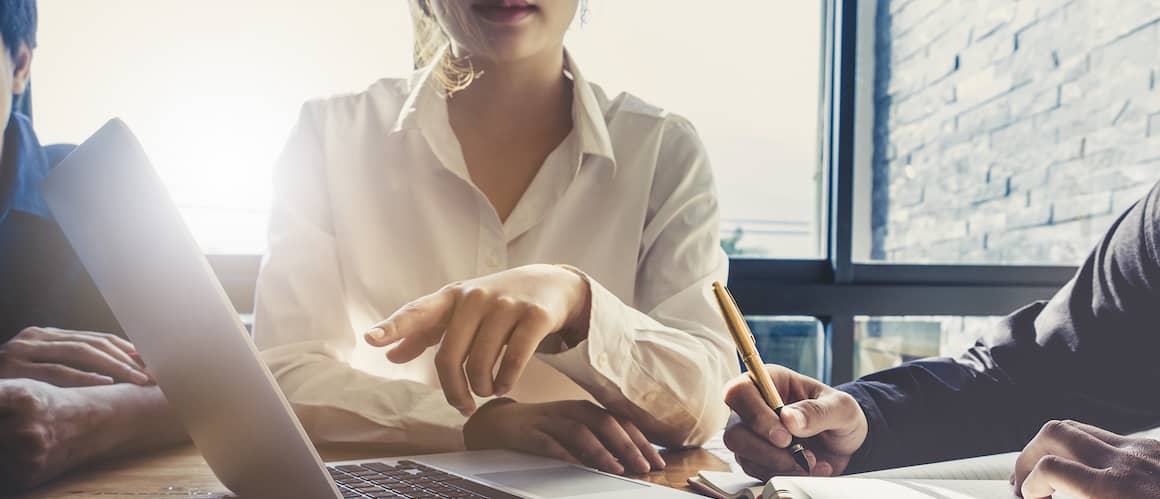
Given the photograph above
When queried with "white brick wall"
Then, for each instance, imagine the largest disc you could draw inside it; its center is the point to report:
(1011, 131)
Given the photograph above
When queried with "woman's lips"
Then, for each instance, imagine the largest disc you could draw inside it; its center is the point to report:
(505, 13)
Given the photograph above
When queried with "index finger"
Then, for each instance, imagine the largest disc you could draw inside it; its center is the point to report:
(424, 315)
(743, 397)
(56, 334)
(1100, 433)
(1060, 439)
(110, 344)
(1056, 475)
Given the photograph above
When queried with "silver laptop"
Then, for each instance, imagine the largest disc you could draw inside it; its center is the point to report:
(116, 213)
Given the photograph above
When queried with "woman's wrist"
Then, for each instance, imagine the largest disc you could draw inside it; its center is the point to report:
(575, 329)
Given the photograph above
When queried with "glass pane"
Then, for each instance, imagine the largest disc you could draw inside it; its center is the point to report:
(758, 119)
(213, 96)
(213, 92)
(1013, 134)
(884, 342)
(794, 342)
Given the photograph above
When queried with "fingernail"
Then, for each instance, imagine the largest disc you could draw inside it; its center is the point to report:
(501, 390)
(374, 334)
(641, 466)
(136, 357)
(823, 468)
(779, 437)
(466, 410)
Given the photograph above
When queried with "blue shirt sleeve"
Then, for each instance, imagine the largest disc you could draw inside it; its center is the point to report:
(1083, 355)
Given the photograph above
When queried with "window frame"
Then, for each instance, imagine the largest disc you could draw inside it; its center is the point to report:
(834, 288)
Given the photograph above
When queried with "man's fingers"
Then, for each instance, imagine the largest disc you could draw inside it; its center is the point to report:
(743, 397)
(522, 344)
(105, 343)
(613, 437)
(1054, 474)
(582, 443)
(494, 332)
(119, 342)
(806, 418)
(461, 331)
(746, 444)
(83, 356)
(755, 468)
(427, 315)
(64, 376)
(1108, 437)
(1061, 439)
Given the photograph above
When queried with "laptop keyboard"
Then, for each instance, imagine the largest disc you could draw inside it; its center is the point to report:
(406, 479)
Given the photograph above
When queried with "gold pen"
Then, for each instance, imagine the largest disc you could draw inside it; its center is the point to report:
(743, 338)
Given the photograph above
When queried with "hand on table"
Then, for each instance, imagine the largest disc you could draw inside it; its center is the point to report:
(474, 321)
(70, 358)
(44, 430)
(1084, 461)
(831, 419)
(576, 431)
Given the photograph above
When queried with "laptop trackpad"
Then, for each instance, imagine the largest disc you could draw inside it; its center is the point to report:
(562, 481)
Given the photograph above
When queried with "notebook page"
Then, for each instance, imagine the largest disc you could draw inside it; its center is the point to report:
(865, 488)
(994, 467)
(1153, 433)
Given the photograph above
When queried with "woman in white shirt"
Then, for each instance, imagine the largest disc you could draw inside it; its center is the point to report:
(446, 198)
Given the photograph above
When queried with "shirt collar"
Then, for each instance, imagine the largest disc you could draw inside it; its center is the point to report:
(588, 114)
(426, 108)
(24, 170)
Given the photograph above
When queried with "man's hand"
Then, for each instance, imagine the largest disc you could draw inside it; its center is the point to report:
(831, 419)
(70, 358)
(473, 322)
(576, 431)
(1083, 461)
(44, 430)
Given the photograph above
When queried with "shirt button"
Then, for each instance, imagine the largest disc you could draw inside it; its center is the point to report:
(493, 261)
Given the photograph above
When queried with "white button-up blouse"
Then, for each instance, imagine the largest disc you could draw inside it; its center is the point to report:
(374, 207)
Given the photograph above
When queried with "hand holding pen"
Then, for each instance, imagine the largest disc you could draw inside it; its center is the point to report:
(761, 440)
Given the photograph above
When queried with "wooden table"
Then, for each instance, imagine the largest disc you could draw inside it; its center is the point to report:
(181, 472)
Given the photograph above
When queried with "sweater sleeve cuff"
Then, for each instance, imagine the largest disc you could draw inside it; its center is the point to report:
(868, 456)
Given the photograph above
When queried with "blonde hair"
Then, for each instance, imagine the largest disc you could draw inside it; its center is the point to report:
(431, 42)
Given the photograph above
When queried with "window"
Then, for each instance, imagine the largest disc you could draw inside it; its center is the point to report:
(877, 308)
(797, 343)
(749, 83)
(951, 165)
(211, 88)
(214, 92)
(1013, 134)
(884, 342)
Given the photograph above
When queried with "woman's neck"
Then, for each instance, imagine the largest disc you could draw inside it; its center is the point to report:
(529, 91)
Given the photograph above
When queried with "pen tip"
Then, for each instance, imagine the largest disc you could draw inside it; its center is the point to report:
(800, 457)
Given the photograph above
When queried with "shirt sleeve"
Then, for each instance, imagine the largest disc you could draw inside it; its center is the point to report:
(302, 326)
(1084, 355)
(663, 361)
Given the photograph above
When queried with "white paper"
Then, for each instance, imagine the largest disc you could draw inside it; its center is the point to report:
(866, 488)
